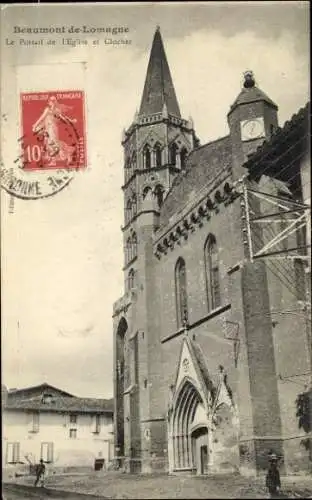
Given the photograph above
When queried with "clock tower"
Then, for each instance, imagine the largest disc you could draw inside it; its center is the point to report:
(252, 120)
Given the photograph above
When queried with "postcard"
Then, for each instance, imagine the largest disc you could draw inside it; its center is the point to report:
(155, 246)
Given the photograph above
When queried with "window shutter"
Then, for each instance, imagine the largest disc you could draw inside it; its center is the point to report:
(9, 457)
(16, 452)
(96, 424)
(43, 453)
(35, 422)
(50, 452)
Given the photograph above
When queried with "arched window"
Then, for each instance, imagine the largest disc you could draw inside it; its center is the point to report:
(173, 154)
(134, 245)
(212, 273)
(128, 250)
(157, 153)
(128, 211)
(183, 155)
(133, 161)
(159, 193)
(127, 168)
(121, 383)
(131, 279)
(146, 157)
(147, 190)
(134, 205)
(181, 292)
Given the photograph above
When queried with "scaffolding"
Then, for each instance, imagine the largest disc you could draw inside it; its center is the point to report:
(275, 229)
(281, 208)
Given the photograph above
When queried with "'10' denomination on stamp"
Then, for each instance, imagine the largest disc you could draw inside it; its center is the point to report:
(53, 144)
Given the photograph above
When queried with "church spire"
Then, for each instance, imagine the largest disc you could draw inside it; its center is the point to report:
(158, 87)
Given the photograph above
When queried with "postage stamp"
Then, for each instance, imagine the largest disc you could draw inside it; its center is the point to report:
(52, 143)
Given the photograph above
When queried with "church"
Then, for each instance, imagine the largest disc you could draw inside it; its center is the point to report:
(212, 337)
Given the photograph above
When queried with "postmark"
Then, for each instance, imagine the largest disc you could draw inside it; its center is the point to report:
(52, 144)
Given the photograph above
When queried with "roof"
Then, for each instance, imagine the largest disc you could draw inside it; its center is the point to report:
(39, 388)
(253, 94)
(204, 164)
(285, 144)
(34, 398)
(62, 404)
(158, 87)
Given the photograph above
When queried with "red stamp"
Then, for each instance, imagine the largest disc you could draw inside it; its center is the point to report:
(53, 130)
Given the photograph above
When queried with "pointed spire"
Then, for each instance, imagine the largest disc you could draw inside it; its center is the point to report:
(158, 87)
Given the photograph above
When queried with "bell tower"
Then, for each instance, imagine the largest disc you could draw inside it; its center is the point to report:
(252, 120)
(156, 146)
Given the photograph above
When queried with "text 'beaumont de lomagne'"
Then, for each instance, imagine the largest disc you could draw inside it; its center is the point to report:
(114, 30)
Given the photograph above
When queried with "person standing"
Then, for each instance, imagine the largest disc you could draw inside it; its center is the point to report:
(40, 473)
(273, 481)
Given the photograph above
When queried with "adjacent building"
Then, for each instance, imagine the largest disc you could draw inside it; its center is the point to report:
(49, 423)
(212, 335)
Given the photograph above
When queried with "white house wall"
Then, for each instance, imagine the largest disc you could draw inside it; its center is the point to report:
(54, 428)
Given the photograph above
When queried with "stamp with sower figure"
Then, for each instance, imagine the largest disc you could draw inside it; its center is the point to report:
(53, 144)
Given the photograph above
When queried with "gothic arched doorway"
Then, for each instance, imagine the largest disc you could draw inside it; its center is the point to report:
(189, 430)
(120, 385)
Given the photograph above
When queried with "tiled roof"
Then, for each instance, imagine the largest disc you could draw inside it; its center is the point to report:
(61, 404)
(204, 165)
(253, 94)
(158, 87)
(39, 388)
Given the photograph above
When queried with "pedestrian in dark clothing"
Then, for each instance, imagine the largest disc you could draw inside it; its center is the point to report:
(272, 480)
(40, 471)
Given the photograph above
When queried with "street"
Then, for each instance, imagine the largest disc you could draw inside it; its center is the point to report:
(14, 492)
(118, 485)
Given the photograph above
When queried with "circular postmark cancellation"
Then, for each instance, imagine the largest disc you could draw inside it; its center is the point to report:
(52, 143)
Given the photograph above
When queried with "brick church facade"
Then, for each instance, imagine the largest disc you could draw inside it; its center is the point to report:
(212, 332)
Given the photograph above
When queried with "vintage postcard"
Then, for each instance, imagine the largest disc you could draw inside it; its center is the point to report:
(156, 250)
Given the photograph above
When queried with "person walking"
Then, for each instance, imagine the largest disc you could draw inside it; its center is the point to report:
(273, 481)
(40, 473)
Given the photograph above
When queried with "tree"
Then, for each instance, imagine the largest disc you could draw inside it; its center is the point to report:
(304, 415)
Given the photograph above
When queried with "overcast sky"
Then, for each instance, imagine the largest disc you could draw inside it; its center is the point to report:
(62, 256)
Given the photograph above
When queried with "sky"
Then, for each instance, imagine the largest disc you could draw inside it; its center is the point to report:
(62, 257)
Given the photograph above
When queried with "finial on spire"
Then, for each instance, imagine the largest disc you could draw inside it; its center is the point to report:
(222, 373)
(190, 122)
(157, 27)
(249, 80)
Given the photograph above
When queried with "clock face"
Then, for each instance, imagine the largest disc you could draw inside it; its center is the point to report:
(252, 129)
